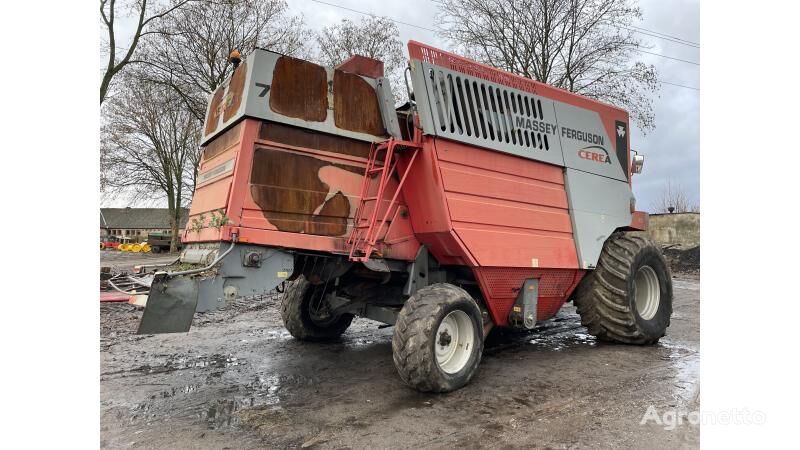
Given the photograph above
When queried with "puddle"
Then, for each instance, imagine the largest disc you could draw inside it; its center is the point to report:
(564, 340)
(264, 393)
(562, 332)
(673, 349)
(187, 389)
(686, 364)
(278, 334)
(185, 362)
(222, 407)
(687, 378)
(270, 335)
(222, 414)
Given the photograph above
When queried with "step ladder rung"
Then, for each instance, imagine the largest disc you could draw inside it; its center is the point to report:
(369, 224)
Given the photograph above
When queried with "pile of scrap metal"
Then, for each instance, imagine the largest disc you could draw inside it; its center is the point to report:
(120, 286)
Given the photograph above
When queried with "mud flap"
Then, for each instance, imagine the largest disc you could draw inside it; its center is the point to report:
(173, 300)
(170, 306)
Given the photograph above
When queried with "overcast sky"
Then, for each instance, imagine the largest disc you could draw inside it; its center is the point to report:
(671, 150)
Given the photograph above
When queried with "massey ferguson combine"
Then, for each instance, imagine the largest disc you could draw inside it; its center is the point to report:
(487, 200)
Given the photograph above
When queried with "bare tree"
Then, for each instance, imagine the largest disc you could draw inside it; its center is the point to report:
(190, 52)
(147, 13)
(149, 147)
(583, 46)
(373, 37)
(673, 196)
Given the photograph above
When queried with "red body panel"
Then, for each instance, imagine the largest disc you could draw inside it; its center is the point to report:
(338, 174)
(507, 210)
(504, 216)
(639, 221)
(609, 114)
(500, 286)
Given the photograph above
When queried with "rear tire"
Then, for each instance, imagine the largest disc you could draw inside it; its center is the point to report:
(438, 339)
(628, 297)
(155, 249)
(297, 317)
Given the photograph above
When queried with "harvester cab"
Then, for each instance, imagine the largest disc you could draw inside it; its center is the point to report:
(487, 200)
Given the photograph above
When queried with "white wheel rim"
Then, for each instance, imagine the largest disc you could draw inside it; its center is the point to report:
(454, 341)
(648, 292)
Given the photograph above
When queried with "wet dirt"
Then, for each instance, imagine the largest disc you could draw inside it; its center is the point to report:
(238, 380)
(683, 261)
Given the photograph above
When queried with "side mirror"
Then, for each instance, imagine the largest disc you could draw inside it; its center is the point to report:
(637, 163)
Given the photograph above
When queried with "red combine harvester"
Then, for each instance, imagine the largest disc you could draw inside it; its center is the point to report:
(487, 200)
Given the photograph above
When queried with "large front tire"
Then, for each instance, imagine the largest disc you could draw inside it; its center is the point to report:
(628, 297)
(438, 339)
(298, 318)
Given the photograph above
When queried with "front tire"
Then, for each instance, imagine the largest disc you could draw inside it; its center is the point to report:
(300, 301)
(628, 297)
(438, 339)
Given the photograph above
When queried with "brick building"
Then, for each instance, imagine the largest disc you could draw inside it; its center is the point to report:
(136, 223)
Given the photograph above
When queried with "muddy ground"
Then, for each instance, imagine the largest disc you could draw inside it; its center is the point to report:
(238, 380)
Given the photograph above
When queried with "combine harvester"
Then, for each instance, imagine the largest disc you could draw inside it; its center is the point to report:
(487, 200)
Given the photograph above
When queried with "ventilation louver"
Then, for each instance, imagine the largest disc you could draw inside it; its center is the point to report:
(469, 107)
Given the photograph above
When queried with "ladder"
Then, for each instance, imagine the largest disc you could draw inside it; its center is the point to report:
(368, 222)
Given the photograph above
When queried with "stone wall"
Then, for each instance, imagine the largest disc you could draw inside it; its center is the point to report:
(682, 229)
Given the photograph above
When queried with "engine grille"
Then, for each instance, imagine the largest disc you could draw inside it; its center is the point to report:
(480, 112)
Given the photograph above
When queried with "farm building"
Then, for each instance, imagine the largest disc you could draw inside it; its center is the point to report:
(136, 223)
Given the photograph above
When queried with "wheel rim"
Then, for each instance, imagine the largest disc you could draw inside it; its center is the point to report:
(454, 341)
(318, 309)
(648, 292)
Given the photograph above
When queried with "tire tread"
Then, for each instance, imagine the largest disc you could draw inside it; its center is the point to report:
(602, 300)
(410, 344)
(300, 327)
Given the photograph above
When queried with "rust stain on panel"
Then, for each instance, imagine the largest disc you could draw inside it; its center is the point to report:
(355, 104)
(233, 99)
(299, 137)
(222, 142)
(332, 218)
(362, 65)
(213, 110)
(288, 190)
(299, 89)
